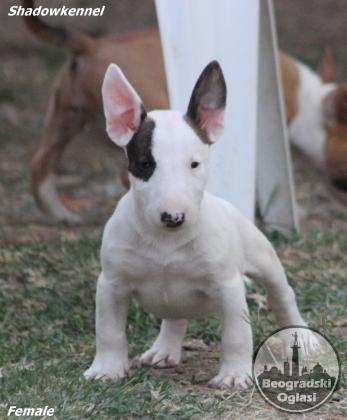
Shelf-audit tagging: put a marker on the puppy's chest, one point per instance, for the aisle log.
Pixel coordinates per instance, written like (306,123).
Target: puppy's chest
(174,286)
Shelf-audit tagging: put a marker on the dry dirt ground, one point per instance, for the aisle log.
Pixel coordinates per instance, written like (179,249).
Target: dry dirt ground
(90,169)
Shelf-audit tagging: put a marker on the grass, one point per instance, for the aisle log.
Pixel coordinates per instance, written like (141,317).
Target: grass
(47,333)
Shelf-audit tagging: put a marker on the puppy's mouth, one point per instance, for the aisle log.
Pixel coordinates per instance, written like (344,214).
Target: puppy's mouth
(173,225)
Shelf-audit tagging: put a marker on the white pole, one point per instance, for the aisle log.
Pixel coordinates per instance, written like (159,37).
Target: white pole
(275,186)
(194,33)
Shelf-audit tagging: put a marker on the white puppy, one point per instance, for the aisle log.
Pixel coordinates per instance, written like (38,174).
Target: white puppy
(179,251)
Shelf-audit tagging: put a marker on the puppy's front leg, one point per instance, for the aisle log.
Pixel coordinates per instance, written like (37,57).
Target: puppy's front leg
(237,344)
(111,360)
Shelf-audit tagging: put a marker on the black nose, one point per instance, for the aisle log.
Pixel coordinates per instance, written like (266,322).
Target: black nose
(340,184)
(172,220)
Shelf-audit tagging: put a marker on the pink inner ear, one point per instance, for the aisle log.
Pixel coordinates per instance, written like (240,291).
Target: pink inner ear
(121,124)
(122,107)
(211,120)
(128,118)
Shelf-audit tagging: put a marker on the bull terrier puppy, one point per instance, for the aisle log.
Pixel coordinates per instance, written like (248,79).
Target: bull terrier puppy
(181,252)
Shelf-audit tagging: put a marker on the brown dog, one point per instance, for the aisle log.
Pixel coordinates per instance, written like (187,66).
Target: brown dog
(312,106)
(76,95)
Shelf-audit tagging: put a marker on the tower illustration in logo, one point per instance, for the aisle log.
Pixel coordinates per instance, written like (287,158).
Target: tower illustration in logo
(296,385)
(295,359)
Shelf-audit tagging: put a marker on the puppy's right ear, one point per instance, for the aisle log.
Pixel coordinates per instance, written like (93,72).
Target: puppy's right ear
(122,106)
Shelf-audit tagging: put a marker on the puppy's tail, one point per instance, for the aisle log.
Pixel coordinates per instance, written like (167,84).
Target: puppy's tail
(75,41)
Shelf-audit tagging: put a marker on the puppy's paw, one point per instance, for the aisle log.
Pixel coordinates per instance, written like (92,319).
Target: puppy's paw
(310,343)
(232,378)
(161,355)
(107,369)
(307,340)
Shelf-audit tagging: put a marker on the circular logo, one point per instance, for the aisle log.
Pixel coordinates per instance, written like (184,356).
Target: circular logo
(296,369)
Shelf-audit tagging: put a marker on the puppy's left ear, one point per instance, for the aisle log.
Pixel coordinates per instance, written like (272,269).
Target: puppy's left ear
(207,103)
(122,106)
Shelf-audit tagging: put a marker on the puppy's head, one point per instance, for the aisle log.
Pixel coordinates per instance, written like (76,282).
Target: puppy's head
(335,118)
(167,152)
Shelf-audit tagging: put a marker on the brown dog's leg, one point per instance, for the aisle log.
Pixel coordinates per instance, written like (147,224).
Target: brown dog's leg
(61,126)
(125,177)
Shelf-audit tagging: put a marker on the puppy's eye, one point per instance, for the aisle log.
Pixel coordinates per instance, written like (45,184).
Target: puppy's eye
(194,165)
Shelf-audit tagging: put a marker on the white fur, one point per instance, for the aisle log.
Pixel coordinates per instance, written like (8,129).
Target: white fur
(307,129)
(189,272)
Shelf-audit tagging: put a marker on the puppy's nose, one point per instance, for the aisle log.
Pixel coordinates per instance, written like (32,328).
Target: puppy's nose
(172,220)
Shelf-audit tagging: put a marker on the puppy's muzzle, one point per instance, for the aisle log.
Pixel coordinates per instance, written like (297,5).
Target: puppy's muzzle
(172,220)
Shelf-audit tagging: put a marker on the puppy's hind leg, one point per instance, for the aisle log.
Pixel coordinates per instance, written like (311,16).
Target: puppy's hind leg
(61,126)
(266,269)
(167,348)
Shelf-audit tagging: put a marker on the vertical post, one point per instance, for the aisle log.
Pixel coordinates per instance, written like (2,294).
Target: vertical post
(253,152)
(225,30)
(275,187)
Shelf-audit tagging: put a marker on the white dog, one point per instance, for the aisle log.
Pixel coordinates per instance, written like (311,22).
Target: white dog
(179,251)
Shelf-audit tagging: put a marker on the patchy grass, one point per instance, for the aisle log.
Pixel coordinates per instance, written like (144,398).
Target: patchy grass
(47,335)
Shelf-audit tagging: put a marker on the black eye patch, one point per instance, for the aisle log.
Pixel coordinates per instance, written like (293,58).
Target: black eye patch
(139,150)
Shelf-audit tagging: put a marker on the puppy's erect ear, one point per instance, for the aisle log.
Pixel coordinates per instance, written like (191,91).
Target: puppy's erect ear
(207,103)
(327,66)
(122,106)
